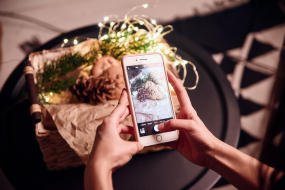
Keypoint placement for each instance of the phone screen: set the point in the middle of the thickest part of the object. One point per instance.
(150, 96)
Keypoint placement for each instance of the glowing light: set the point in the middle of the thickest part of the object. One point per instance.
(145, 6)
(141, 22)
(47, 99)
(112, 23)
(176, 63)
(171, 87)
(167, 51)
(136, 28)
(149, 38)
(122, 34)
(136, 38)
(121, 39)
(160, 29)
(75, 41)
(65, 41)
(105, 36)
(106, 18)
(184, 62)
(129, 29)
(51, 93)
(100, 24)
(118, 33)
(156, 35)
(153, 21)
(160, 45)
(123, 26)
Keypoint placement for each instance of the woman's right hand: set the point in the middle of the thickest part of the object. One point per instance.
(196, 142)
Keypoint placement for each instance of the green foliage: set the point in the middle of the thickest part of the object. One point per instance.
(118, 45)
(60, 67)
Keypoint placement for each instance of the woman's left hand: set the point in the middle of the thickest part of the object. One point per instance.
(109, 149)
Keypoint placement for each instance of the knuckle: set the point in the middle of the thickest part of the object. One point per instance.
(106, 120)
(191, 114)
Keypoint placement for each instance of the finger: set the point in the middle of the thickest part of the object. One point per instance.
(125, 129)
(119, 111)
(126, 114)
(176, 124)
(182, 95)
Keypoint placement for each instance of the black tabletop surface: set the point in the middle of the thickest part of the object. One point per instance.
(22, 162)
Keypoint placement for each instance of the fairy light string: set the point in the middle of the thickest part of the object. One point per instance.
(138, 34)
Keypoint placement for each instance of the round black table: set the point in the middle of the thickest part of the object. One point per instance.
(22, 162)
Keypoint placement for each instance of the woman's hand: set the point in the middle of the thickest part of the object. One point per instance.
(109, 150)
(196, 142)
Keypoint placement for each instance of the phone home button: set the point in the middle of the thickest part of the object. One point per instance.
(158, 138)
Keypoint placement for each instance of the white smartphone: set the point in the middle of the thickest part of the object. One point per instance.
(149, 97)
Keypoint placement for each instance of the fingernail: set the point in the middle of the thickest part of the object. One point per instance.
(161, 127)
(122, 92)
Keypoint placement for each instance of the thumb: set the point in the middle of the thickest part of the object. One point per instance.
(175, 124)
(135, 147)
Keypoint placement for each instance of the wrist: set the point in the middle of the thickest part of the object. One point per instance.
(100, 165)
(217, 152)
(98, 176)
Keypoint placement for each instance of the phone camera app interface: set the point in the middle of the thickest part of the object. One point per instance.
(150, 96)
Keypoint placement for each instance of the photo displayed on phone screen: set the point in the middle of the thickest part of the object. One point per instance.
(150, 96)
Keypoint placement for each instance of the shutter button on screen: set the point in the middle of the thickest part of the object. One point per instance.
(158, 138)
(156, 128)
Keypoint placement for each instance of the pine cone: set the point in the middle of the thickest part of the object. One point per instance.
(93, 90)
(142, 94)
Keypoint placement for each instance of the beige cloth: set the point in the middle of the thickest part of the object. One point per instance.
(77, 124)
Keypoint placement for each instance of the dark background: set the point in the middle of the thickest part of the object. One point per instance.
(227, 30)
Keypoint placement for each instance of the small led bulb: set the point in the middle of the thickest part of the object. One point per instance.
(136, 28)
(153, 21)
(141, 22)
(106, 18)
(123, 26)
(184, 62)
(75, 41)
(112, 23)
(65, 41)
(100, 24)
(145, 5)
